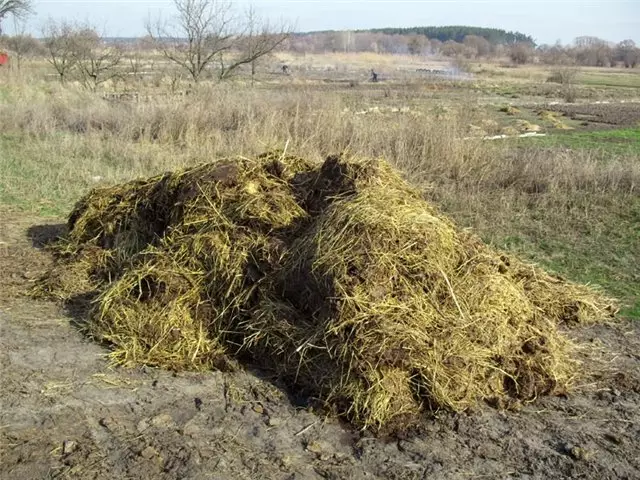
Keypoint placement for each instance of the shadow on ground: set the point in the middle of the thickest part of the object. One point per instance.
(45, 234)
(78, 310)
(78, 307)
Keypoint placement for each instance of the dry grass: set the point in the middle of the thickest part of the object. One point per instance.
(338, 276)
(76, 135)
(84, 136)
(57, 143)
(181, 291)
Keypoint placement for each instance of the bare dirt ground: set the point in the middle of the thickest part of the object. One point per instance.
(601, 114)
(66, 414)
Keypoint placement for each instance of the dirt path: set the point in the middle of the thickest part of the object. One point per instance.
(66, 414)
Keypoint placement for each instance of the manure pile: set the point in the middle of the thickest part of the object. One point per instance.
(338, 276)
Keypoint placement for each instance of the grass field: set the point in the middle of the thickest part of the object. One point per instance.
(570, 200)
(617, 79)
(624, 141)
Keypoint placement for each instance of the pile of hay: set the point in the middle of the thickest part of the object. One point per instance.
(525, 126)
(510, 110)
(339, 276)
(553, 118)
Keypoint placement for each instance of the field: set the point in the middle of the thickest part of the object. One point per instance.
(567, 198)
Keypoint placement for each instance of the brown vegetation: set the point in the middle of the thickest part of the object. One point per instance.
(213, 36)
(269, 232)
(339, 276)
(346, 277)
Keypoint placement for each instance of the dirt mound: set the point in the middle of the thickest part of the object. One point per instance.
(339, 277)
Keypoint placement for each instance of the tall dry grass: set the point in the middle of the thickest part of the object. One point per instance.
(122, 139)
(90, 136)
(56, 143)
(61, 141)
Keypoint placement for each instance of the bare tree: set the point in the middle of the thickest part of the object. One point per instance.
(479, 46)
(521, 53)
(588, 42)
(22, 45)
(593, 51)
(435, 46)
(555, 55)
(206, 33)
(565, 75)
(628, 53)
(18, 8)
(451, 48)
(416, 44)
(201, 32)
(258, 39)
(59, 41)
(139, 55)
(95, 61)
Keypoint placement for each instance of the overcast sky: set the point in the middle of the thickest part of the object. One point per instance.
(546, 21)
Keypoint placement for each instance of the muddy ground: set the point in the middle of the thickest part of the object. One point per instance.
(601, 114)
(66, 414)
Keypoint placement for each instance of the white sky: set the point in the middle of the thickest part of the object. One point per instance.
(546, 21)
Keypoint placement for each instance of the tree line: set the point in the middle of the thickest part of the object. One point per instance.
(591, 51)
(458, 33)
(583, 51)
(209, 39)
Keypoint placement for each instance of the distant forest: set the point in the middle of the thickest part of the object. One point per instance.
(457, 33)
(452, 41)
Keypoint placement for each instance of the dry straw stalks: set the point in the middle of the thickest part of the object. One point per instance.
(337, 275)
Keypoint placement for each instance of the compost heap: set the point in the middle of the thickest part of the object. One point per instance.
(338, 276)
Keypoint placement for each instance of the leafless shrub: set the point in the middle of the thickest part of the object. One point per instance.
(206, 33)
(563, 75)
(521, 53)
(59, 38)
(96, 62)
(22, 46)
